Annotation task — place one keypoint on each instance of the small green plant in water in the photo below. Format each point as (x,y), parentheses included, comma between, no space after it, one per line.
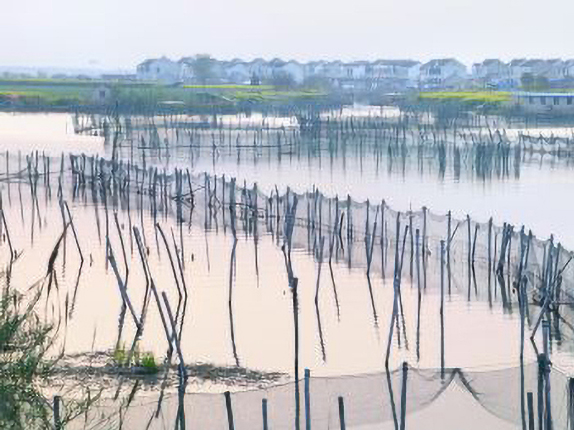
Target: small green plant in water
(120,356)
(144,360)
(148,362)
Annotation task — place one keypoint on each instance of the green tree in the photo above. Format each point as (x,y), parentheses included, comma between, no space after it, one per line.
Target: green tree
(203,65)
(283,79)
(531,82)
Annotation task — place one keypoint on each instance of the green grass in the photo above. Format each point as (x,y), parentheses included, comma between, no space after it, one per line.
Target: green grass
(277,95)
(70,93)
(42,96)
(230,87)
(467,96)
(146,360)
(25,342)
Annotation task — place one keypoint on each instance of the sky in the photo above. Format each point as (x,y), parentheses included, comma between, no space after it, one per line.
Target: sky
(118,34)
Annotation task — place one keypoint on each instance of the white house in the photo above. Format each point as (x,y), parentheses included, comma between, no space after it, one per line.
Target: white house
(259,69)
(555,103)
(553,69)
(237,71)
(186,73)
(334,70)
(520,67)
(491,72)
(356,70)
(443,73)
(568,69)
(315,69)
(295,69)
(159,69)
(394,73)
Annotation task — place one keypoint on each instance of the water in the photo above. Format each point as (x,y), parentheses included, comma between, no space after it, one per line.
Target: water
(258,333)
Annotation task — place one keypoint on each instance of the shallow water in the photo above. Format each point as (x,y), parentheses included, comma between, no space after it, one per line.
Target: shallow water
(477,334)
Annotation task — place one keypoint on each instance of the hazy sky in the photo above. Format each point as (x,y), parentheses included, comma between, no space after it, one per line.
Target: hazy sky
(121,33)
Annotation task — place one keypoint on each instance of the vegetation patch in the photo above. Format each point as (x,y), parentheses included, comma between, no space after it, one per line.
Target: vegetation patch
(243,87)
(467,96)
(278,95)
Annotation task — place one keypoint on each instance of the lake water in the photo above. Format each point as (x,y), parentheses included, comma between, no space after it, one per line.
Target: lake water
(345,333)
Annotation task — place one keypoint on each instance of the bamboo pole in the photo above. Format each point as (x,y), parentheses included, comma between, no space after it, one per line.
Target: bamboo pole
(342,413)
(442,264)
(307,399)
(264,413)
(229,409)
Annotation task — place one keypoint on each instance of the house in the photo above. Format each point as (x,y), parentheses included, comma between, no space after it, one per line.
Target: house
(159,70)
(521,67)
(568,69)
(334,70)
(295,69)
(394,74)
(237,71)
(102,94)
(291,69)
(356,70)
(186,72)
(443,73)
(259,70)
(553,70)
(549,103)
(516,70)
(492,73)
(315,69)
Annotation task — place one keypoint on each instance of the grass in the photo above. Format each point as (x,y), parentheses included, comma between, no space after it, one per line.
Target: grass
(493,97)
(145,360)
(230,87)
(25,341)
(34,93)
(277,95)
(41,97)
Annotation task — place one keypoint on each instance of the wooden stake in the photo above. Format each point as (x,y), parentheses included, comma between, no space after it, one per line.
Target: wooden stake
(57,420)
(227,395)
(404,396)
(264,412)
(307,399)
(342,413)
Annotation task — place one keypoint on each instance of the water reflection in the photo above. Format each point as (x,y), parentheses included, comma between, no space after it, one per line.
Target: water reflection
(249,303)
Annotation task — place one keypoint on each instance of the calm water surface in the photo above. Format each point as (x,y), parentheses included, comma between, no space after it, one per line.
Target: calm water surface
(477,336)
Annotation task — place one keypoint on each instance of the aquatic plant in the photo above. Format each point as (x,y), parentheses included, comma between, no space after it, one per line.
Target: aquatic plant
(24,341)
(146,360)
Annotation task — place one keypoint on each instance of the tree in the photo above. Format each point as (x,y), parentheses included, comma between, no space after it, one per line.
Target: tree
(282,79)
(203,67)
(532,82)
(255,80)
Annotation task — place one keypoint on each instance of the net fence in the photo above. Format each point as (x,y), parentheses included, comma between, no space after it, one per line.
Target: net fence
(516,395)
(432,250)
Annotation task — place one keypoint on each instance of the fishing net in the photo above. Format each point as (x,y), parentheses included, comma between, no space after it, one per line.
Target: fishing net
(434,251)
(512,394)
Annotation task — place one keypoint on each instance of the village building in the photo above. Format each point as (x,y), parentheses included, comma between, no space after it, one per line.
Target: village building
(102,94)
(259,70)
(492,73)
(237,71)
(159,70)
(545,103)
(443,73)
(388,75)
(394,74)
(294,69)
(186,70)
